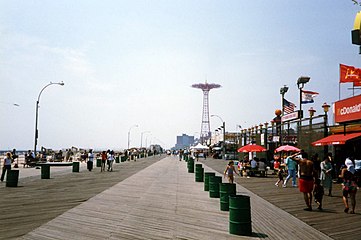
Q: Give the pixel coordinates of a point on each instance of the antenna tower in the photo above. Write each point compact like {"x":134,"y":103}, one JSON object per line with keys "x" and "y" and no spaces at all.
{"x":205,"y":127}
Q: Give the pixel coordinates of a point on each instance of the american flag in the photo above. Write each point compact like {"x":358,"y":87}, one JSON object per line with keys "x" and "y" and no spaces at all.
{"x":288,"y":107}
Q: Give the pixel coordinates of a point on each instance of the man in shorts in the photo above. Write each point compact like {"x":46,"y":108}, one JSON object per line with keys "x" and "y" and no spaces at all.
{"x":305,"y":181}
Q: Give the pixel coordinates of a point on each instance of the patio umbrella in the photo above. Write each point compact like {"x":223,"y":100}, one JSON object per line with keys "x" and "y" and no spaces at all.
{"x":252,"y":148}
{"x":287,"y":148}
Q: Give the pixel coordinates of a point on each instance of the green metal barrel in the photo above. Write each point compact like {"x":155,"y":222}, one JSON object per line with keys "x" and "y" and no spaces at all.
{"x":214,"y":182}
{"x":190,"y":165}
{"x":45,"y":172}
{"x":12,"y":178}
{"x":226,"y":190}
{"x":117,"y":159}
{"x":99,"y":162}
{"x":199,"y":173}
{"x":240,"y":215}
{"x":76,"y":166}
{"x":206,"y":180}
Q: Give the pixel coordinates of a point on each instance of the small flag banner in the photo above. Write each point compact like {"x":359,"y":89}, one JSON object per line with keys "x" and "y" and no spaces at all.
{"x":308,"y":96}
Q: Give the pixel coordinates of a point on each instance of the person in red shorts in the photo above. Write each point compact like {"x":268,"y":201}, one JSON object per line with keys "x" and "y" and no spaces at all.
{"x":305,"y":182}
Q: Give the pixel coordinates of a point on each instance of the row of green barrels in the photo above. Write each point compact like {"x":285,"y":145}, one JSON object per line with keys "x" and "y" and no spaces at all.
{"x":237,"y":205}
{"x":12,"y":177}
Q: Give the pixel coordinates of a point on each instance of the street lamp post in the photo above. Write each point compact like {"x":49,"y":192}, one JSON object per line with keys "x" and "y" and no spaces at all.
{"x":325,"y":107}
{"x":37,"y":113}
{"x":301,"y":81}
{"x":266,"y":135}
{"x":146,"y":140}
{"x":141,"y":138}
{"x":224,"y":135}
{"x":129,"y":134}
{"x":283,"y":91}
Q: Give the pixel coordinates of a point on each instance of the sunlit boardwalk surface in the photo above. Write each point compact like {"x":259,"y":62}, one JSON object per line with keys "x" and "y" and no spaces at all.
{"x":163,"y":201}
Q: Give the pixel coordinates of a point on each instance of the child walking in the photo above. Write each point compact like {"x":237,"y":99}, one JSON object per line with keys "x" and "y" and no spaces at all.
{"x":318,"y":192}
{"x":229,"y":171}
{"x":280,"y":176}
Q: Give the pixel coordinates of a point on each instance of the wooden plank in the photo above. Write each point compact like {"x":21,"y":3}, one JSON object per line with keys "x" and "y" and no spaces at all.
{"x":37,"y":201}
{"x":163,"y":201}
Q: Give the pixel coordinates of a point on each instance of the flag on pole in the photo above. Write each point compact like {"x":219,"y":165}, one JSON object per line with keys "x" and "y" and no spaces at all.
{"x":288,"y":107}
{"x":349,"y":74}
{"x":308,"y":96}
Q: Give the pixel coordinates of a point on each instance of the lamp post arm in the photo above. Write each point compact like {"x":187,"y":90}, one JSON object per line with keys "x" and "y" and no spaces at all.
{"x":37,"y":112}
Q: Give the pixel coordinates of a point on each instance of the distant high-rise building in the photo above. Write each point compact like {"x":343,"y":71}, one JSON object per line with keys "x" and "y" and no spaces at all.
{"x":184,"y":141}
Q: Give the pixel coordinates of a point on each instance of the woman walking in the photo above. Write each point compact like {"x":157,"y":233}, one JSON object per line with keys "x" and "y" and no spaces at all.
{"x":349,"y":187}
{"x":7,"y":165}
{"x":326,"y":176}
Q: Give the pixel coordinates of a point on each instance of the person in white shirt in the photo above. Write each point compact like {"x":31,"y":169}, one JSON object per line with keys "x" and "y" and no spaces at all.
{"x":110,"y":160}
{"x":7,"y":165}
{"x":90,"y":160}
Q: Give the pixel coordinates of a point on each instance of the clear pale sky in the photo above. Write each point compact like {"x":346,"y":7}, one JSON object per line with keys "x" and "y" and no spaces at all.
{"x":133,"y":62}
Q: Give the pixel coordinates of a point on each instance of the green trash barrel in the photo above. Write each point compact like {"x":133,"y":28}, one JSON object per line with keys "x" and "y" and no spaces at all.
{"x":45,"y":172}
{"x":122,"y":159}
{"x":117,"y":159}
{"x":12,"y":178}
{"x":199,"y":173}
{"x":99,"y":162}
{"x":240,"y":215}
{"x":214,"y":182}
{"x":76,"y":166}
{"x":226,"y":190}
{"x":206,"y":180}
{"x":190,"y":165}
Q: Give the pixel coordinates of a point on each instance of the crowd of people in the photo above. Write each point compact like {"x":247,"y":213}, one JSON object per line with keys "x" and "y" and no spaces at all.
{"x":107,"y":158}
{"x":316,"y":178}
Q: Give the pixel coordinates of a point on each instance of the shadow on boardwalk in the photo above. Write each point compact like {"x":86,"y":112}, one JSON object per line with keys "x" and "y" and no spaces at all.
{"x":332,"y":220}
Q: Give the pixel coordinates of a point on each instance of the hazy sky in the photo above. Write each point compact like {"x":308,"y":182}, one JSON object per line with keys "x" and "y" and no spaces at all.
{"x":133,"y":62}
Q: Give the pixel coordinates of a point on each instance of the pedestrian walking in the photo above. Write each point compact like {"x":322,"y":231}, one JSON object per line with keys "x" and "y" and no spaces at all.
{"x":349,"y":186}
{"x":103,"y":160}
{"x":7,"y":165}
{"x":110,"y":161}
{"x":305,"y":181}
{"x":280,"y":173}
{"x":326,"y":175}
{"x":230,"y":171}
{"x":318,"y":193}
{"x":90,"y":160}
{"x":291,"y":168}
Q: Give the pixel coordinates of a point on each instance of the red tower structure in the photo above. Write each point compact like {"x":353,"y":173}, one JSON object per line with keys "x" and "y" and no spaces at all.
{"x":205,"y":127}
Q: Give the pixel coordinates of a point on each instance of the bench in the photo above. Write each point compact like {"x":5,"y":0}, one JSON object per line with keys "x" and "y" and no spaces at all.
{"x":30,"y":162}
{"x":256,"y":171}
{"x":45,"y":167}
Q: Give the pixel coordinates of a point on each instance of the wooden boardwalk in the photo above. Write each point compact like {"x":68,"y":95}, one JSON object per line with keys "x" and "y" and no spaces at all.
{"x":163,"y":201}
{"x":37,"y":201}
{"x":331,"y":221}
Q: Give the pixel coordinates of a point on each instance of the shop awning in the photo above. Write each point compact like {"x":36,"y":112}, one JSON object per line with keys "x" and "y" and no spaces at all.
{"x":336,"y":139}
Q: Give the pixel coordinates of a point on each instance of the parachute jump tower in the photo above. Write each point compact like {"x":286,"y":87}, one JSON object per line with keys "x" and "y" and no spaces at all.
{"x":205,"y":127}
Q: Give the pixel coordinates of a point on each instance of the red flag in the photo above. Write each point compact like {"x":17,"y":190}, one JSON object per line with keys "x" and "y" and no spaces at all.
{"x":349,"y":74}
